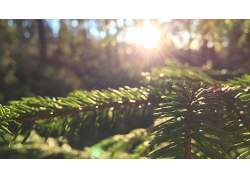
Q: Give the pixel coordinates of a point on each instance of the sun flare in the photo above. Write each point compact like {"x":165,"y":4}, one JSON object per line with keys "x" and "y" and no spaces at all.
{"x":148,"y":35}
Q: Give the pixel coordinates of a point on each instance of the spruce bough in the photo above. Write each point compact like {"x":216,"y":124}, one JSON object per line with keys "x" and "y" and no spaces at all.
{"x":200,"y":117}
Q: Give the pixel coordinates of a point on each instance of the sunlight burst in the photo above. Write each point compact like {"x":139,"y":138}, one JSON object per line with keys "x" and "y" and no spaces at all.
{"x":148,"y":35}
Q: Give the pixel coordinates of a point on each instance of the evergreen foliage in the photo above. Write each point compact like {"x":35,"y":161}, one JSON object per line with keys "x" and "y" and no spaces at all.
{"x":132,"y":145}
{"x":201,"y":117}
{"x":35,"y":148}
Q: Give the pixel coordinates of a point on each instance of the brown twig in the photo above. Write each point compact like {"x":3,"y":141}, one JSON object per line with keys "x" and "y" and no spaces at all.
{"x":188,"y":145}
{"x":22,"y":119}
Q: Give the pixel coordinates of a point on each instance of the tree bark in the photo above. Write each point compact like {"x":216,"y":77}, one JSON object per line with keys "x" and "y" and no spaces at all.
{"x":42,"y":39}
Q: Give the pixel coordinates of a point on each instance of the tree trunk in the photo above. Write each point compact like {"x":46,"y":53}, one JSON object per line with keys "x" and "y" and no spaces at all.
{"x":42,"y":39}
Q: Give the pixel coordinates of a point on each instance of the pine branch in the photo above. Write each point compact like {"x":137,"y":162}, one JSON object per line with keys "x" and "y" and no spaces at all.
{"x":91,"y":106}
{"x":193,"y":115}
{"x":81,"y":110}
{"x":200,"y":117}
{"x":230,"y":101}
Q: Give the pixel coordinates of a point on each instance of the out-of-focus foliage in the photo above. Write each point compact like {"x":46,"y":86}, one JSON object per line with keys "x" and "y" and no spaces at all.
{"x":129,"y":146}
{"x":72,"y":58}
{"x":224,"y":41}
{"x":36,"y":148}
{"x":132,"y":145}
{"x":78,"y":59}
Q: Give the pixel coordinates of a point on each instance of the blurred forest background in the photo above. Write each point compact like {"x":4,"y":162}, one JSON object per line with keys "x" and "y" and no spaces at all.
{"x":54,"y":57}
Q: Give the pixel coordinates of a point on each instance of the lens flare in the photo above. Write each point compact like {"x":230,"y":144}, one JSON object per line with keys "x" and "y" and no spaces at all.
{"x":147,"y":36}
